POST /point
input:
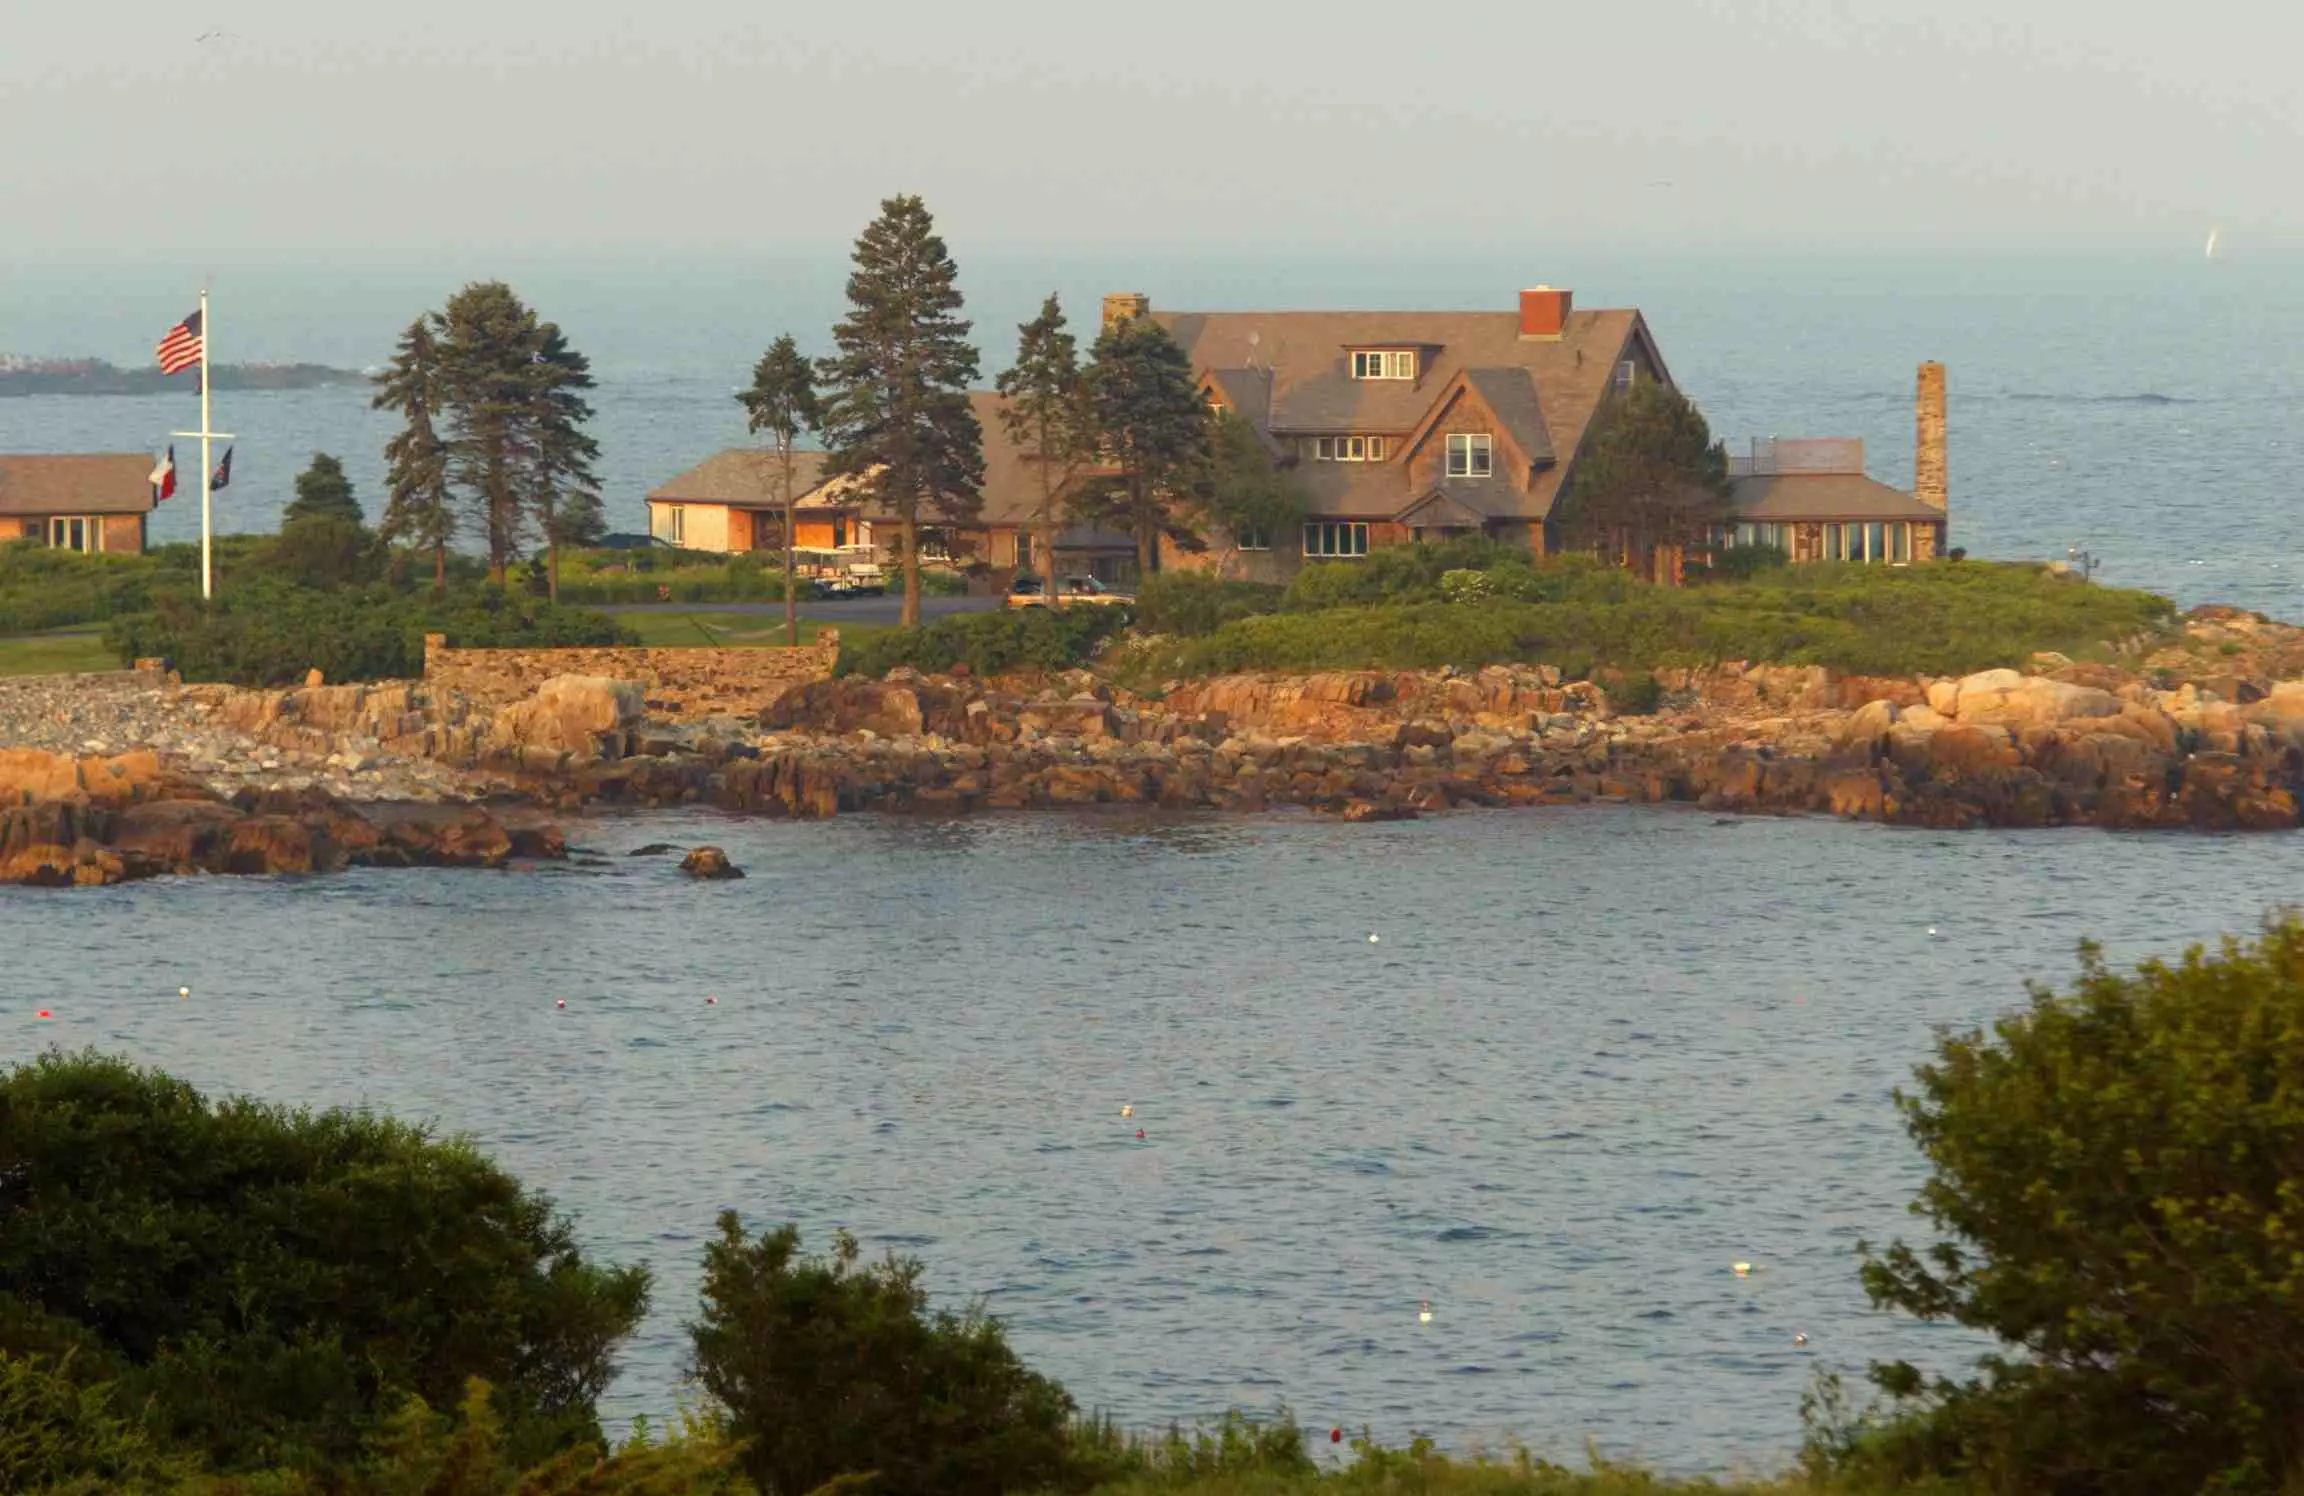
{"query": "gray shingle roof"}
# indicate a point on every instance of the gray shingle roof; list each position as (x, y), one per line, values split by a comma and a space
(749, 477)
(81, 483)
(1307, 359)
(1824, 496)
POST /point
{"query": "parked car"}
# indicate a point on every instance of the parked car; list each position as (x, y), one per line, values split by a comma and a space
(1029, 592)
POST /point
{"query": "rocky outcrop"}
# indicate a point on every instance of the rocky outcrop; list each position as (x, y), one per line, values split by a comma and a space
(709, 863)
(67, 821)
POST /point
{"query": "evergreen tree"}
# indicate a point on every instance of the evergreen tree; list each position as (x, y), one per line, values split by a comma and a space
(562, 488)
(512, 390)
(323, 492)
(896, 411)
(1151, 425)
(782, 402)
(419, 511)
(1047, 417)
(1247, 492)
(1650, 484)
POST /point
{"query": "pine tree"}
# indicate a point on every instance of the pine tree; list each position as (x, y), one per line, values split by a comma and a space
(419, 510)
(562, 488)
(896, 411)
(511, 387)
(1247, 492)
(1650, 483)
(1047, 416)
(782, 402)
(323, 492)
(1152, 424)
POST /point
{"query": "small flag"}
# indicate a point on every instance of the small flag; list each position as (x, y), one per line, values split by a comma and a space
(182, 347)
(223, 478)
(164, 477)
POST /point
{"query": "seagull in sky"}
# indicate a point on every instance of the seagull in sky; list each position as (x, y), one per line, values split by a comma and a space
(217, 35)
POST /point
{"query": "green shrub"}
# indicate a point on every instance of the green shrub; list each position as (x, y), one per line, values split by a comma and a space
(936, 581)
(2115, 1187)
(1636, 695)
(1193, 603)
(265, 1283)
(1738, 563)
(263, 632)
(989, 643)
(829, 1368)
(1870, 620)
(55, 1431)
(42, 588)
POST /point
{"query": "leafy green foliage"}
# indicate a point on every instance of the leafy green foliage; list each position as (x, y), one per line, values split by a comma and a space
(1194, 603)
(990, 643)
(268, 1282)
(324, 551)
(1151, 425)
(43, 588)
(1246, 490)
(55, 1431)
(1048, 415)
(2118, 1192)
(782, 402)
(267, 632)
(896, 408)
(1650, 479)
(828, 1367)
(1392, 611)
(1738, 563)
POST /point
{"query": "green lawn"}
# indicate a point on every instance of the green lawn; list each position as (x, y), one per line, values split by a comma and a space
(55, 652)
(726, 630)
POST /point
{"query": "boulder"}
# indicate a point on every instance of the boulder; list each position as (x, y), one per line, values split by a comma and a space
(2010, 699)
(709, 863)
(584, 716)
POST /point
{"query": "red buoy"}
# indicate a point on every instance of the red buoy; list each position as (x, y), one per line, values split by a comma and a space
(563, 1002)
(1139, 1131)
(44, 1013)
(710, 1001)
(1335, 1436)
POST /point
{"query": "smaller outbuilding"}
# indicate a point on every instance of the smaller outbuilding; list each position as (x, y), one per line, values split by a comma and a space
(90, 502)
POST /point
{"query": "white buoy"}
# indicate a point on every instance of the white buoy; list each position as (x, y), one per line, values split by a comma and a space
(1799, 1337)
(1424, 1315)
(1371, 939)
(1127, 1109)
(183, 992)
(1931, 929)
(1743, 1269)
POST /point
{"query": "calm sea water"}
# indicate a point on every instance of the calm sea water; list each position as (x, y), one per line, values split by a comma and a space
(1595, 1057)
(2150, 410)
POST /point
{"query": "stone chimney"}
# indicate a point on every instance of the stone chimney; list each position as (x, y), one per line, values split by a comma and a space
(1122, 305)
(1931, 484)
(1544, 312)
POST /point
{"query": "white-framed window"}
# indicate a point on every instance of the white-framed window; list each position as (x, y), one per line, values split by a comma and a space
(1470, 454)
(1253, 538)
(678, 525)
(1384, 363)
(1626, 372)
(1875, 542)
(76, 533)
(1333, 538)
(1348, 448)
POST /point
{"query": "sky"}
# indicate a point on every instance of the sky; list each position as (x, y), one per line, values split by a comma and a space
(540, 126)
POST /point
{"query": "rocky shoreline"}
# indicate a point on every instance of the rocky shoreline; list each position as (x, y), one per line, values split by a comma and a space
(110, 777)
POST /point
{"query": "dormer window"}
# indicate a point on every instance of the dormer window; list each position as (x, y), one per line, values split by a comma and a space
(1384, 363)
(1470, 455)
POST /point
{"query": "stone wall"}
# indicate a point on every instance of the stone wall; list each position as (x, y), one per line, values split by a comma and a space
(682, 684)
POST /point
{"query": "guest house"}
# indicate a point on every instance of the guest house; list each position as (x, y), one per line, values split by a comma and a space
(92, 502)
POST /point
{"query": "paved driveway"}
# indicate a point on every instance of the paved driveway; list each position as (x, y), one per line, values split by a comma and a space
(873, 610)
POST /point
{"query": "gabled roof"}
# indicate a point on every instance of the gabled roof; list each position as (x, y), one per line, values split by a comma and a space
(1461, 506)
(1824, 496)
(76, 483)
(1307, 360)
(748, 477)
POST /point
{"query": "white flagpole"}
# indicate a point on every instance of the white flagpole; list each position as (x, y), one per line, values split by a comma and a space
(207, 470)
(207, 434)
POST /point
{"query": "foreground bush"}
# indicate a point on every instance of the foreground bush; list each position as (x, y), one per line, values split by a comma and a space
(2119, 1189)
(45, 589)
(1939, 619)
(264, 1284)
(1193, 603)
(267, 633)
(829, 1368)
(990, 643)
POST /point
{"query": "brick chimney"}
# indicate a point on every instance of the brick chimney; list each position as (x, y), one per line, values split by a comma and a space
(1122, 305)
(1931, 483)
(1544, 312)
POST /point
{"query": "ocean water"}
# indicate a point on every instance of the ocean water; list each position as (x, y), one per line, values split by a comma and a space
(2147, 410)
(1591, 1059)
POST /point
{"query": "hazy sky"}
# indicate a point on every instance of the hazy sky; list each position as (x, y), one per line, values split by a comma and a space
(1374, 130)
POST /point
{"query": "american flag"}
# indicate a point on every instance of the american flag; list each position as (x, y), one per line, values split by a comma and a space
(181, 349)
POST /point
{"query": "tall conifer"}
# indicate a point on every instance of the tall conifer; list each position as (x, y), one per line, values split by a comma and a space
(782, 402)
(896, 411)
(418, 509)
(1047, 416)
(1153, 425)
